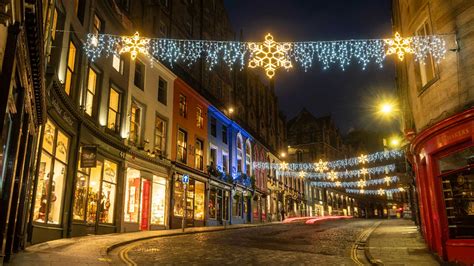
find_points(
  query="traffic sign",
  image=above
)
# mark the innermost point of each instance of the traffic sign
(185, 179)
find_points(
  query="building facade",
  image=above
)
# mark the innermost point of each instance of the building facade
(437, 119)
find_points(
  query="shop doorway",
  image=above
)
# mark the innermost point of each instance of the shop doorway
(145, 206)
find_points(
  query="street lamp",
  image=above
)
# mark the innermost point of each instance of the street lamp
(283, 154)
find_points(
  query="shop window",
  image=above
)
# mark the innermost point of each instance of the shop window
(182, 105)
(108, 190)
(237, 205)
(199, 164)
(132, 196)
(160, 135)
(158, 201)
(79, 8)
(199, 117)
(139, 77)
(426, 68)
(178, 197)
(135, 124)
(117, 63)
(194, 199)
(456, 160)
(162, 91)
(51, 176)
(91, 91)
(212, 206)
(199, 201)
(113, 117)
(213, 127)
(225, 206)
(224, 134)
(71, 63)
(86, 196)
(182, 146)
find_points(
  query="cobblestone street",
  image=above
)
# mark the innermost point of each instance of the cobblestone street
(326, 243)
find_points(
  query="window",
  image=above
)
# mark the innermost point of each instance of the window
(162, 91)
(163, 29)
(117, 63)
(213, 127)
(71, 62)
(225, 162)
(182, 105)
(299, 156)
(113, 117)
(239, 154)
(213, 157)
(182, 143)
(199, 117)
(426, 68)
(135, 124)
(139, 74)
(89, 202)
(199, 164)
(97, 27)
(213, 205)
(160, 135)
(52, 175)
(248, 158)
(54, 24)
(79, 8)
(158, 201)
(224, 134)
(91, 91)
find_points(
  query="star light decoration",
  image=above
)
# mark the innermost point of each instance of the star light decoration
(321, 166)
(332, 175)
(361, 183)
(363, 159)
(134, 45)
(387, 180)
(399, 46)
(381, 192)
(270, 55)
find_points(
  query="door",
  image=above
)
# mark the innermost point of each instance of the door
(145, 206)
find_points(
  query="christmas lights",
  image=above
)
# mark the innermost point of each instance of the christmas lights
(322, 166)
(270, 55)
(384, 169)
(361, 183)
(380, 192)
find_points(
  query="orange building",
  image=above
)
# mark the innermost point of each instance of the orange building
(189, 153)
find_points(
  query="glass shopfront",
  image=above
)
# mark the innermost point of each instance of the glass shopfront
(218, 204)
(194, 206)
(94, 198)
(52, 175)
(158, 201)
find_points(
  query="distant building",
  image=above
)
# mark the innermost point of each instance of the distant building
(438, 121)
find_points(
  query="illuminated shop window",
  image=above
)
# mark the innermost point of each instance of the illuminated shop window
(158, 201)
(86, 196)
(132, 196)
(194, 199)
(51, 176)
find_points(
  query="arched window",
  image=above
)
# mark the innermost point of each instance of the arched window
(239, 153)
(248, 158)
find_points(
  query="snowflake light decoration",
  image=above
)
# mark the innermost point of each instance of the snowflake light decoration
(284, 165)
(302, 174)
(332, 175)
(270, 55)
(387, 180)
(363, 159)
(338, 183)
(381, 192)
(134, 45)
(399, 46)
(364, 171)
(361, 183)
(321, 166)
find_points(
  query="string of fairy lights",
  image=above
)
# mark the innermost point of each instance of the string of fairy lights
(269, 54)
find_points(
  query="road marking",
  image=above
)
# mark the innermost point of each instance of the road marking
(360, 244)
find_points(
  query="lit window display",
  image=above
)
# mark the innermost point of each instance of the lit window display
(212, 206)
(51, 176)
(132, 196)
(107, 199)
(158, 201)
(86, 196)
(199, 201)
(194, 199)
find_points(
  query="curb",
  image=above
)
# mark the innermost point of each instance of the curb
(367, 254)
(361, 244)
(126, 242)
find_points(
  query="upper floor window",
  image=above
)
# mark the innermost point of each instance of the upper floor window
(163, 29)
(135, 124)
(97, 27)
(239, 154)
(224, 134)
(117, 63)
(199, 154)
(160, 135)
(91, 92)
(113, 116)
(248, 158)
(79, 8)
(182, 146)
(299, 156)
(138, 79)
(426, 69)
(182, 105)
(54, 24)
(71, 63)
(213, 126)
(199, 117)
(162, 91)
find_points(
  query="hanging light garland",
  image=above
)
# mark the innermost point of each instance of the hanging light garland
(353, 184)
(322, 166)
(379, 192)
(384, 169)
(269, 54)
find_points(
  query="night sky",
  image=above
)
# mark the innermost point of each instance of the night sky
(349, 96)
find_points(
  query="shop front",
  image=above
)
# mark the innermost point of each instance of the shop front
(218, 204)
(188, 201)
(145, 199)
(443, 159)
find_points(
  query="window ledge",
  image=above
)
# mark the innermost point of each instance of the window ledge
(427, 85)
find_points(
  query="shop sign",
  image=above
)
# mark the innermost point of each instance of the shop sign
(89, 156)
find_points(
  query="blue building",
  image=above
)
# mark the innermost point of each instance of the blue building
(230, 169)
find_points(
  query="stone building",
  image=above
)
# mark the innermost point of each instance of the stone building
(438, 119)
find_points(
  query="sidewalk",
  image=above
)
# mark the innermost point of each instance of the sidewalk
(93, 250)
(398, 242)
